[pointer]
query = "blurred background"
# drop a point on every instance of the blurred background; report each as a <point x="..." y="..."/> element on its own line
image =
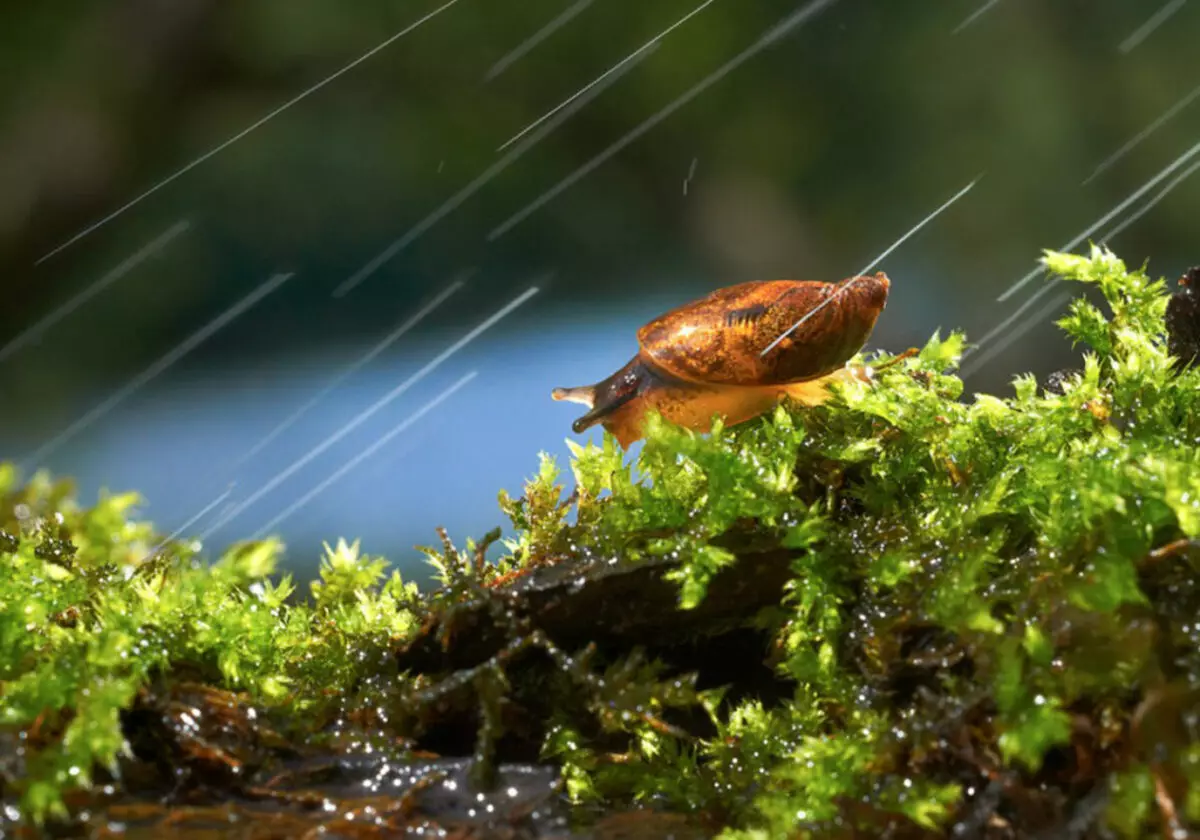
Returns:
<point x="313" y="268"/>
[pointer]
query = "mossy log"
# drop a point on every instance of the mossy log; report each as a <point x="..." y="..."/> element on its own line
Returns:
<point x="899" y="613"/>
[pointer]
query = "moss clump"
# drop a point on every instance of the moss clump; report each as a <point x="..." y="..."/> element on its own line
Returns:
<point x="93" y="614"/>
<point x="989" y="626"/>
<point x="986" y="595"/>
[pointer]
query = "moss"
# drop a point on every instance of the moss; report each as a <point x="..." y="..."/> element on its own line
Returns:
<point x="989" y="621"/>
<point x="92" y="612"/>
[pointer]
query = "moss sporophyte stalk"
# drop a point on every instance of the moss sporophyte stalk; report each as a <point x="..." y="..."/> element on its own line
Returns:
<point x="901" y="612"/>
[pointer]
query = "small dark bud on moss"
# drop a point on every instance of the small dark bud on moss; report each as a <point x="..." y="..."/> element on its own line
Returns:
<point x="68" y="618"/>
<point x="56" y="546"/>
<point x="1056" y="383"/>
<point x="1183" y="319"/>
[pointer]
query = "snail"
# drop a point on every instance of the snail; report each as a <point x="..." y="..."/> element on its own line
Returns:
<point x="723" y="355"/>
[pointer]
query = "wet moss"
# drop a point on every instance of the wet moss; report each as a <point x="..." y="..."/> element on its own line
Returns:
<point x="901" y="613"/>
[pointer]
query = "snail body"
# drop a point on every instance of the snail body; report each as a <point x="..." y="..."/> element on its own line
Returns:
<point x="722" y="355"/>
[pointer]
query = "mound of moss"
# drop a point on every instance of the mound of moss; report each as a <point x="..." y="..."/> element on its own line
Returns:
<point x="897" y="614"/>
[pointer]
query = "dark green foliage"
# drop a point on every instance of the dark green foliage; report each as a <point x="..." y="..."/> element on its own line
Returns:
<point x="991" y="618"/>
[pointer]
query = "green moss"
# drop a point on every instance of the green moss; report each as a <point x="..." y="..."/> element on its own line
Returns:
<point x="1015" y="530"/>
<point x="986" y="596"/>
<point x="86" y="624"/>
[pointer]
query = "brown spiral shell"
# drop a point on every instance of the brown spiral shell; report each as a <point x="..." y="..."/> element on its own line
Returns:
<point x="719" y="339"/>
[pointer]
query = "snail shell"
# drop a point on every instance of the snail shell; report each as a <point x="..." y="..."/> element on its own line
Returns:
<point x="723" y="354"/>
<point x="719" y="339"/>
